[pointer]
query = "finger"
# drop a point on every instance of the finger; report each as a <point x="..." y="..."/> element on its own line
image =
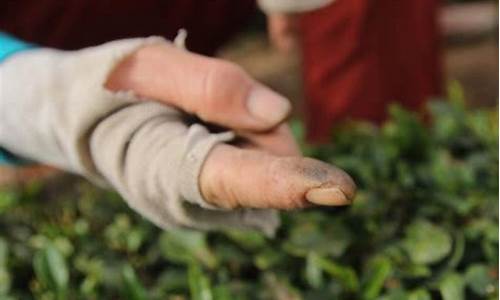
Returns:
<point x="216" y="91"/>
<point x="233" y="177"/>
<point x="279" y="141"/>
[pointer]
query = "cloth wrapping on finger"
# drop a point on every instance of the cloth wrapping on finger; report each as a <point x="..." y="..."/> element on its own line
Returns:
<point x="291" y="6"/>
<point x="54" y="109"/>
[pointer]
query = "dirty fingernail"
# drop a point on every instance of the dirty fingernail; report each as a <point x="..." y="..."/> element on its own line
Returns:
<point x="268" y="106"/>
<point x="332" y="196"/>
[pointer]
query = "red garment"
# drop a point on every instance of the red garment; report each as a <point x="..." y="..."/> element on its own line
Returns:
<point x="361" y="55"/>
<point x="73" y="24"/>
<point x="358" y="55"/>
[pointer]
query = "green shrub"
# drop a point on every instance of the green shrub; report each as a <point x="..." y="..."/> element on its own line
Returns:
<point x="424" y="226"/>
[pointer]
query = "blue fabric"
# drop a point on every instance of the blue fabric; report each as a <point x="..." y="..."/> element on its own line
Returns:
<point x="8" y="46"/>
<point x="7" y="158"/>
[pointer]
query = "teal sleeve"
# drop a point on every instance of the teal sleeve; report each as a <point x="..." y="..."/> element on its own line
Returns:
<point x="7" y="158"/>
<point x="8" y="46"/>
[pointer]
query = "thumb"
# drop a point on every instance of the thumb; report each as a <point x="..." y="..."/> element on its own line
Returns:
<point x="214" y="90"/>
<point x="232" y="177"/>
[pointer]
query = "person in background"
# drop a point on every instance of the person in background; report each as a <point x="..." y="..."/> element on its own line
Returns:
<point x="116" y="108"/>
<point x="359" y="56"/>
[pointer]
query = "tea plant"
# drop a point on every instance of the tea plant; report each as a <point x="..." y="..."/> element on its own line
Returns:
<point x="424" y="226"/>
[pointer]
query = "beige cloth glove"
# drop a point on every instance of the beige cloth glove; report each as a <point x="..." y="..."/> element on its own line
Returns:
<point x="55" y="110"/>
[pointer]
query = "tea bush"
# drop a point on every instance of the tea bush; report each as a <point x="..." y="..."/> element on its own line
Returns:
<point x="424" y="226"/>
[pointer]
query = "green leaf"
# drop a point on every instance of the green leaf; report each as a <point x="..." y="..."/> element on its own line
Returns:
<point x="41" y="270"/>
<point x="479" y="278"/>
<point x="452" y="287"/>
<point x="345" y="275"/>
<point x="7" y="200"/>
<point x="298" y="130"/>
<point x="395" y="294"/>
<point x="415" y="271"/>
<point x="304" y="238"/>
<point x="4" y="253"/>
<point x="51" y="270"/>
<point x="420" y="294"/>
<point x="57" y="266"/>
<point x="458" y="251"/>
<point x="222" y="292"/>
<point x="123" y="235"/>
<point x="406" y="134"/>
<point x="247" y="239"/>
<point x="199" y="284"/>
<point x="269" y="258"/>
<point x="186" y="246"/>
<point x="230" y="253"/>
<point x="132" y="288"/>
<point x="333" y="239"/>
<point x="313" y="271"/>
<point x="172" y="280"/>
<point x="277" y="287"/>
<point x="378" y="270"/>
<point x="427" y="243"/>
<point x="5" y="281"/>
<point x="456" y="93"/>
<point x="299" y="133"/>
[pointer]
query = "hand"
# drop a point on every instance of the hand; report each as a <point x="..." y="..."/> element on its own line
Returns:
<point x="283" y="31"/>
<point x="264" y="172"/>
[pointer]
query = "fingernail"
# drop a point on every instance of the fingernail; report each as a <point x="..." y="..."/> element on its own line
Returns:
<point x="327" y="196"/>
<point x="268" y="106"/>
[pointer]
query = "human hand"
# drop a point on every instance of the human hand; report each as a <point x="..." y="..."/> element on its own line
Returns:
<point x="283" y="31"/>
<point x="265" y="171"/>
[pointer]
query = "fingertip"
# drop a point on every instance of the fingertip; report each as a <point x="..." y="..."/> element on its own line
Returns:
<point x="267" y="107"/>
<point x="331" y="196"/>
<point x="329" y="185"/>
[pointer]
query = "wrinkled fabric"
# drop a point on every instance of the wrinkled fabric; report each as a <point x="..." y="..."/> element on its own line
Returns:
<point x="54" y="110"/>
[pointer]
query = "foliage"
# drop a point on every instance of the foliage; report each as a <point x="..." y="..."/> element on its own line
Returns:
<point x="424" y="226"/>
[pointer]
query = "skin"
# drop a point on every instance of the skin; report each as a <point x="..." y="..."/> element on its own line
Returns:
<point x="283" y="31"/>
<point x="264" y="170"/>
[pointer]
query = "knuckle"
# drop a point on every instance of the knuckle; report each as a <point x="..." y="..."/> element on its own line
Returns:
<point x="224" y="71"/>
<point x="225" y="84"/>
